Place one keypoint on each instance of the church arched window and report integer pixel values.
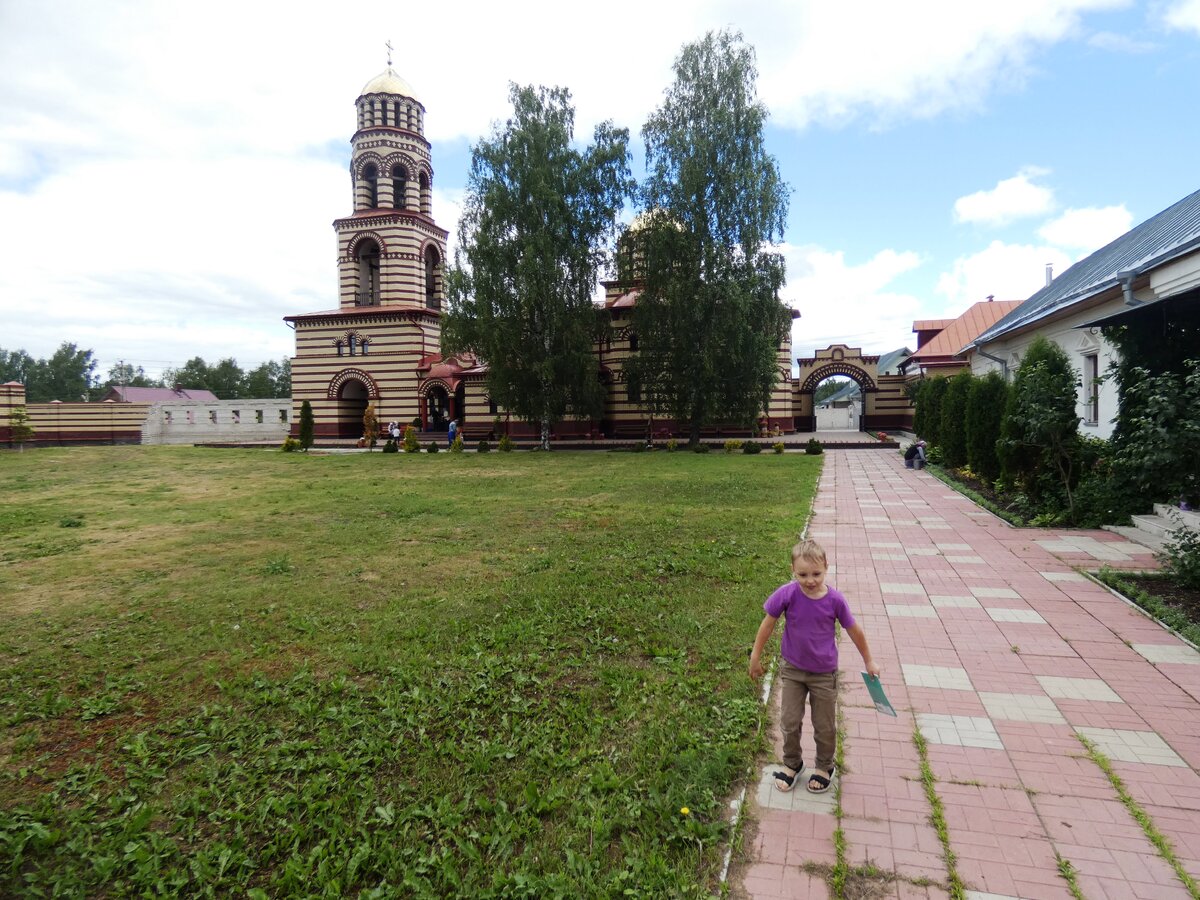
(433, 265)
(341, 348)
(371, 177)
(426, 194)
(367, 256)
(399, 187)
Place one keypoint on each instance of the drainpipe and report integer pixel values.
(1125, 279)
(986, 355)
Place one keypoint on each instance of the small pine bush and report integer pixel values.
(457, 446)
(390, 447)
(813, 447)
(411, 444)
(505, 445)
(733, 445)
(778, 446)
(672, 445)
(432, 447)
(752, 447)
(289, 445)
(701, 448)
(483, 447)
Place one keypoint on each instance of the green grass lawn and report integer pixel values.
(253, 673)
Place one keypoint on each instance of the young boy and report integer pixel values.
(810, 661)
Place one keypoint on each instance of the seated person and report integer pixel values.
(914, 456)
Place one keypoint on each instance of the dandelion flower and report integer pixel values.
(684, 810)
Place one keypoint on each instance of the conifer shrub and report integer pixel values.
(733, 445)
(928, 424)
(701, 447)
(432, 447)
(390, 447)
(985, 412)
(505, 445)
(953, 429)
(778, 446)
(457, 445)
(752, 447)
(289, 445)
(306, 426)
(411, 444)
(813, 447)
(483, 447)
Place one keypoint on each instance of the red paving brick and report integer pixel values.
(1011, 813)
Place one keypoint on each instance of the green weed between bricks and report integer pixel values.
(292, 674)
(1156, 837)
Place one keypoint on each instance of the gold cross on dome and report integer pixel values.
(389, 49)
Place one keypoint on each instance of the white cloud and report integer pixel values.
(1011, 199)
(1111, 42)
(1005, 271)
(1183, 15)
(831, 62)
(849, 304)
(1088, 229)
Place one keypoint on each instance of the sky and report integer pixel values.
(169, 172)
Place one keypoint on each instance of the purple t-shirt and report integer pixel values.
(808, 640)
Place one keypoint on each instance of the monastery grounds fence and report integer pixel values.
(174, 422)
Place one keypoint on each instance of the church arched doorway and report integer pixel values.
(437, 409)
(352, 400)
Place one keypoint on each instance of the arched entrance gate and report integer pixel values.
(884, 403)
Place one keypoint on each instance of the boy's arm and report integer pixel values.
(860, 641)
(760, 641)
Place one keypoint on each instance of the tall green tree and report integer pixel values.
(67, 375)
(126, 375)
(193, 375)
(985, 411)
(953, 428)
(709, 320)
(16, 365)
(270, 379)
(20, 428)
(536, 221)
(1039, 444)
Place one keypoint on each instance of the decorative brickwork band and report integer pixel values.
(839, 368)
(339, 380)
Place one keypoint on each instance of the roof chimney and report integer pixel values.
(1049, 273)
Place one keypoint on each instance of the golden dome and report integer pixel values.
(388, 82)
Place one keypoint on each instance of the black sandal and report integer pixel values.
(785, 782)
(821, 781)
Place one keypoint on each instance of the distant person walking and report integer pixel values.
(452, 432)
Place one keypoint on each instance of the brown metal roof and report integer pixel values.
(961, 331)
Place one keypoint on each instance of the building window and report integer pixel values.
(340, 348)
(237, 417)
(351, 341)
(212, 416)
(371, 176)
(167, 416)
(258, 416)
(634, 390)
(399, 187)
(283, 416)
(1091, 385)
(365, 345)
(493, 409)
(191, 417)
(633, 342)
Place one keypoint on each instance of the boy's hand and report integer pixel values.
(756, 669)
(872, 667)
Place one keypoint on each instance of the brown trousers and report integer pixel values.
(820, 689)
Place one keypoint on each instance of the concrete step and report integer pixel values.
(1138, 536)
(1155, 525)
(1175, 515)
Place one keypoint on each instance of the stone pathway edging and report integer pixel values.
(1001, 656)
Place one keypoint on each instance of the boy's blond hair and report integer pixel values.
(809, 551)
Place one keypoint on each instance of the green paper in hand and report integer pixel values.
(875, 686)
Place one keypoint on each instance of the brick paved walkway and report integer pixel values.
(1000, 653)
